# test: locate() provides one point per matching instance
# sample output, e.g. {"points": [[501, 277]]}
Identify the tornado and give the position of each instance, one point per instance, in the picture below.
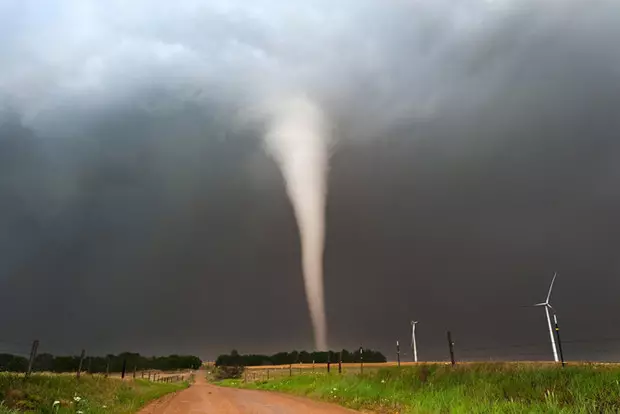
{"points": [[297, 138]]}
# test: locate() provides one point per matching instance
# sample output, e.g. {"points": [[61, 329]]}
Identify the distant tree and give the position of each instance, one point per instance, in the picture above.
{"points": [[44, 362], [285, 358], [305, 357], [66, 364], [319, 357], [293, 357], [48, 362], [13, 363], [280, 358]]}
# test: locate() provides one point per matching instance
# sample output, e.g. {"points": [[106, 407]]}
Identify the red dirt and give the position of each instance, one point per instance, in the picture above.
{"points": [[202, 397]]}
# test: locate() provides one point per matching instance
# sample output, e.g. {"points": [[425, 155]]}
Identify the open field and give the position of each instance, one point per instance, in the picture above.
{"points": [[90, 394], [349, 365], [465, 388], [265, 372], [376, 365], [268, 372]]}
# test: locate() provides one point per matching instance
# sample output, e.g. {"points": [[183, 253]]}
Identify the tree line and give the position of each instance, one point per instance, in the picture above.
{"points": [[98, 364], [295, 357]]}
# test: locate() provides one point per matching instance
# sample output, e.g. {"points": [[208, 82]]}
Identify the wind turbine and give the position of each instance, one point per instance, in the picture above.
{"points": [[414, 345], [548, 306]]}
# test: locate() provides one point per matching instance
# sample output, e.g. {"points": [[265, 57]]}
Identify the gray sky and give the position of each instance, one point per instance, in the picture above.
{"points": [[475, 154]]}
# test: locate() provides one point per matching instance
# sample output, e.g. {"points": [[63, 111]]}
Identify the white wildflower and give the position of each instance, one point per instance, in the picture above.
{"points": [[77, 399], [382, 381]]}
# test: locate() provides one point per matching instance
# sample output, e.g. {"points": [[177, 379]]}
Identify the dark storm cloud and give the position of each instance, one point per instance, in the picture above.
{"points": [[477, 155]]}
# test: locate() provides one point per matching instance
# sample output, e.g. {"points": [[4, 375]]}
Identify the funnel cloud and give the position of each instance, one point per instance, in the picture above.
{"points": [[297, 138]]}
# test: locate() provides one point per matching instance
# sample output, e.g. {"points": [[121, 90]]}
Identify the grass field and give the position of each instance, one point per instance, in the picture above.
{"points": [[264, 372], [91, 394], [467, 388]]}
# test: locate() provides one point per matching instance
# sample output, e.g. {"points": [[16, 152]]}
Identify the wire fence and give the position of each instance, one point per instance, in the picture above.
{"points": [[15, 358], [260, 373], [576, 350], [603, 350]]}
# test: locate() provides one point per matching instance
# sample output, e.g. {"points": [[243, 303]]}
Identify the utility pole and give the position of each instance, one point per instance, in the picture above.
{"points": [[107, 368], [557, 334], [398, 353], [451, 346], [79, 371], [33, 355], [124, 368]]}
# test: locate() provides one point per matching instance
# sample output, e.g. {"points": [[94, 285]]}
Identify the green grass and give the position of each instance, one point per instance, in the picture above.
{"points": [[470, 388], [97, 394], [5, 410]]}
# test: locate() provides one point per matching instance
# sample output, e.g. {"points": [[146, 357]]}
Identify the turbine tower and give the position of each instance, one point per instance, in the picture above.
{"points": [[414, 345], [548, 306]]}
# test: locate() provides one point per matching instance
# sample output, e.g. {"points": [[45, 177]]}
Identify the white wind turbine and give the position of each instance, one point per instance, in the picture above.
{"points": [[548, 306], [414, 345]]}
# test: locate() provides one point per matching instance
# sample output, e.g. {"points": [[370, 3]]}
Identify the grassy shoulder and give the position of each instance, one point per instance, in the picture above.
{"points": [[471, 388], [90, 394]]}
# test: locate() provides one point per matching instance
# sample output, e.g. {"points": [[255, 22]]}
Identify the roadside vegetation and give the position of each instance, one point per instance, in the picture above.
{"points": [[47, 393], [225, 373], [467, 388]]}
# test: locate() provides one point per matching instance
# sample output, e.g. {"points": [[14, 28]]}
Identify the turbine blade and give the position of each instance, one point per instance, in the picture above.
{"points": [[551, 286], [541, 304]]}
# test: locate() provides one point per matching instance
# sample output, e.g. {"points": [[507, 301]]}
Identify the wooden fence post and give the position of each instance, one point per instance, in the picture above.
{"points": [[33, 355], [79, 371], [451, 347]]}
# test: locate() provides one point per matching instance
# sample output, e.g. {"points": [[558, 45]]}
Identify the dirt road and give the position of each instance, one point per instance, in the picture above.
{"points": [[205, 398]]}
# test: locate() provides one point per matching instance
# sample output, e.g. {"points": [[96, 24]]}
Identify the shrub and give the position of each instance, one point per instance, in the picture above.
{"points": [[228, 372]]}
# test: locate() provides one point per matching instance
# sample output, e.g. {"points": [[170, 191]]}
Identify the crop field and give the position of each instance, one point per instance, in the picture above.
{"points": [[265, 372], [464, 388]]}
